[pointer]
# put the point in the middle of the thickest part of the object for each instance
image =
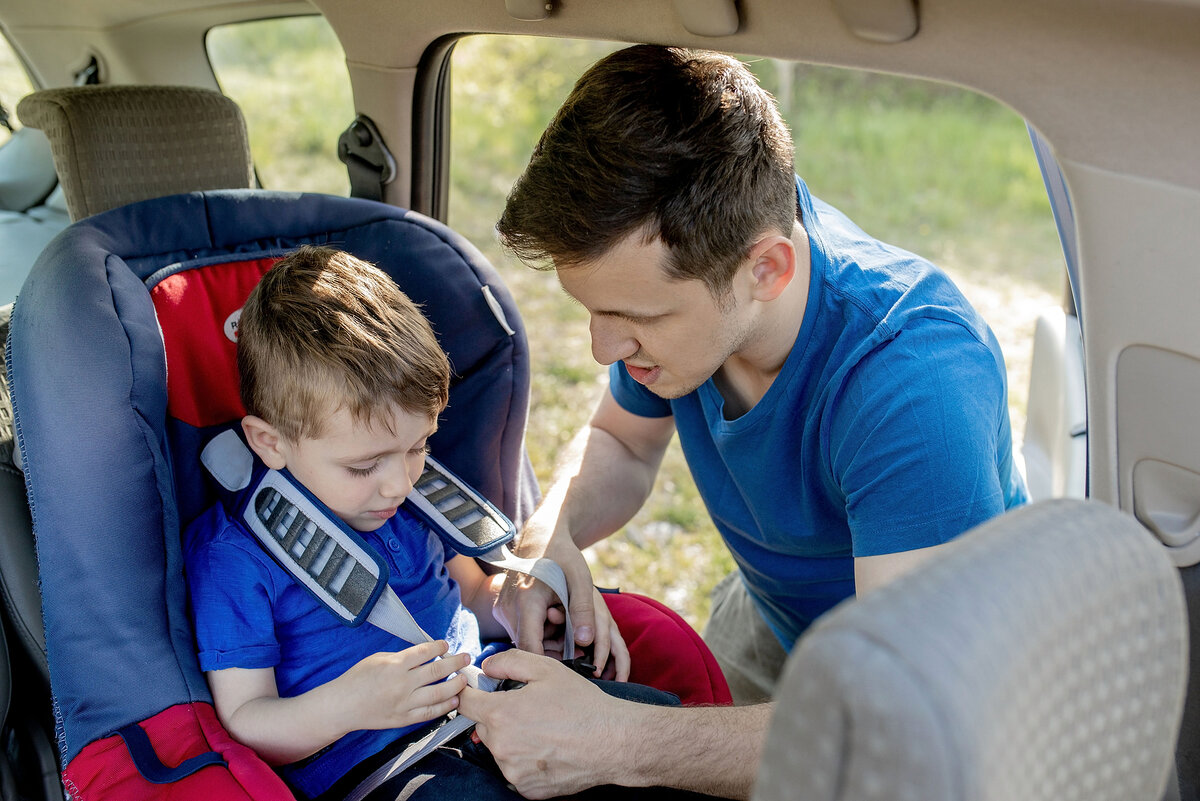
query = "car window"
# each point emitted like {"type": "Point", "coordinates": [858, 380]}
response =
{"type": "Point", "coordinates": [935, 169]}
{"type": "Point", "coordinates": [14, 84]}
{"type": "Point", "coordinates": [290, 78]}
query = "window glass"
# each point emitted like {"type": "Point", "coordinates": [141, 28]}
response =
{"type": "Point", "coordinates": [938, 170]}
{"type": "Point", "coordinates": [289, 77]}
{"type": "Point", "coordinates": [14, 85]}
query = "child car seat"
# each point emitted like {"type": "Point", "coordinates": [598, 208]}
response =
{"type": "Point", "coordinates": [121, 363]}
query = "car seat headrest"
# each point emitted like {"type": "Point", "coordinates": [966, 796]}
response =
{"type": "Point", "coordinates": [115, 145]}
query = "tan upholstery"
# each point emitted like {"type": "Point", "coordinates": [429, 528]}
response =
{"type": "Point", "coordinates": [1042, 658]}
{"type": "Point", "coordinates": [114, 145]}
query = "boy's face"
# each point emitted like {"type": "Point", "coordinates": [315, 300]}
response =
{"type": "Point", "coordinates": [363, 473]}
{"type": "Point", "coordinates": [672, 334]}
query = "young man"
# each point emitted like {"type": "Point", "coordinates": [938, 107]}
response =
{"type": "Point", "coordinates": [841, 406]}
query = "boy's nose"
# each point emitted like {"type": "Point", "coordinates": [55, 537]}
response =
{"type": "Point", "coordinates": [396, 484]}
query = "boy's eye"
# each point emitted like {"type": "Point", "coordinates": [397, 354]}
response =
{"type": "Point", "coordinates": [421, 450]}
{"type": "Point", "coordinates": [363, 471]}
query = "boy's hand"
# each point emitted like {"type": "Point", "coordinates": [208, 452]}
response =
{"type": "Point", "coordinates": [392, 689]}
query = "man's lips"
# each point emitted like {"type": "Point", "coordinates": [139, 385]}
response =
{"type": "Point", "coordinates": [643, 375]}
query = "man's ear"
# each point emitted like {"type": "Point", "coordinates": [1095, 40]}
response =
{"type": "Point", "coordinates": [266, 441]}
{"type": "Point", "coordinates": [773, 266]}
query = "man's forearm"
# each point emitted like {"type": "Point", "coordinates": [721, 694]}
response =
{"type": "Point", "coordinates": [598, 487]}
{"type": "Point", "coordinates": [713, 750]}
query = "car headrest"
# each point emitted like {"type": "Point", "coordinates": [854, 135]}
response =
{"type": "Point", "coordinates": [1043, 656]}
{"type": "Point", "coordinates": [115, 145]}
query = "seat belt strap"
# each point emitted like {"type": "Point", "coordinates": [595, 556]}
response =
{"type": "Point", "coordinates": [369, 163]}
{"type": "Point", "coordinates": [473, 526]}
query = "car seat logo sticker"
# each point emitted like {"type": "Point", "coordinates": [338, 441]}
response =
{"type": "Point", "coordinates": [231, 326]}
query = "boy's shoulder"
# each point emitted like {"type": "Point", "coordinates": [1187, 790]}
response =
{"type": "Point", "coordinates": [215, 530]}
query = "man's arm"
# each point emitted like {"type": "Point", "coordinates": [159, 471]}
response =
{"type": "Point", "coordinates": [605, 477]}
{"type": "Point", "coordinates": [558, 735]}
{"type": "Point", "coordinates": [872, 572]}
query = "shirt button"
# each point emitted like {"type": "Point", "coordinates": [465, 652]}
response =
{"type": "Point", "coordinates": [393, 543]}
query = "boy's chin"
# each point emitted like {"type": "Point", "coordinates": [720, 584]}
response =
{"type": "Point", "coordinates": [366, 523]}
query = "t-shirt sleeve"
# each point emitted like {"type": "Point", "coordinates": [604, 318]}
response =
{"type": "Point", "coordinates": [914, 437]}
{"type": "Point", "coordinates": [231, 606]}
{"type": "Point", "coordinates": [632, 396]}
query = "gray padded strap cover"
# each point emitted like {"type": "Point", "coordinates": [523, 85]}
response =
{"type": "Point", "coordinates": [1043, 657]}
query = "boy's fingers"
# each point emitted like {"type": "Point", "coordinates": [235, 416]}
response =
{"type": "Point", "coordinates": [422, 652]}
{"type": "Point", "coordinates": [441, 668]}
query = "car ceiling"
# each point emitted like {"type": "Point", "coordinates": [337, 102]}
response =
{"type": "Point", "coordinates": [1111, 84]}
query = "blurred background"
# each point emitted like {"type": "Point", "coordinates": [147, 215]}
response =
{"type": "Point", "coordinates": [941, 171]}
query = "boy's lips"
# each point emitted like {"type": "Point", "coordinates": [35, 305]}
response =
{"type": "Point", "coordinates": [643, 375]}
{"type": "Point", "coordinates": [383, 514]}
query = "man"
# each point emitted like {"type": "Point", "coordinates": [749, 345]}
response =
{"type": "Point", "coordinates": [841, 406]}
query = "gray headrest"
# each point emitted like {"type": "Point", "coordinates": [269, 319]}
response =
{"type": "Point", "coordinates": [114, 145]}
{"type": "Point", "coordinates": [1044, 656]}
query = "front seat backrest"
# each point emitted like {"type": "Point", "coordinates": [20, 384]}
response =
{"type": "Point", "coordinates": [114, 145]}
{"type": "Point", "coordinates": [1044, 657]}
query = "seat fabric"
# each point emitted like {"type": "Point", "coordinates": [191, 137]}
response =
{"type": "Point", "coordinates": [1042, 658]}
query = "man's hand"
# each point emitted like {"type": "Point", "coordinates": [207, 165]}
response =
{"type": "Point", "coordinates": [528, 609]}
{"type": "Point", "coordinates": [555, 736]}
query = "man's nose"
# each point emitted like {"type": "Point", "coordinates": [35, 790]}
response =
{"type": "Point", "coordinates": [611, 340]}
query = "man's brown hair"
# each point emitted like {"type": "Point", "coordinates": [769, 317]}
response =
{"type": "Point", "coordinates": [324, 330]}
{"type": "Point", "coordinates": [680, 145]}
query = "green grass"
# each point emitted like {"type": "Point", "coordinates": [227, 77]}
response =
{"type": "Point", "coordinates": [940, 171]}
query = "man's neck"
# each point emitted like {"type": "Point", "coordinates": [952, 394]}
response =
{"type": "Point", "coordinates": [747, 375]}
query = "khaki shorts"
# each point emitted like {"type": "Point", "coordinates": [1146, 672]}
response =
{"type": "Point", "coordinates": [747, 650]}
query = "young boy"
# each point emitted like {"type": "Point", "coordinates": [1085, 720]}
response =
{"type": "Point", "coordinates": [343, 382]}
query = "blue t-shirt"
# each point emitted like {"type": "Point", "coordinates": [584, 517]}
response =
{"type": "Point", "coordinates": [887, 429]}
{"type": "Point", "coordinates": [250, 613]}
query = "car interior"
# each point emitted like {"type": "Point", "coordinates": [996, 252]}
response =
{"type": "Point", "coordinates": [1045, 658]}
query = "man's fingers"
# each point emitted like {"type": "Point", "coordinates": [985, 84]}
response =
{"type": "Point", "coordinates": [517, 665]}
{"type": "Point", "coordinates": [583, 609]}
{"type": "Point", "coordinates": [531, 619]}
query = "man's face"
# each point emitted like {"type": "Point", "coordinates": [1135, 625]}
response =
{"type": "Point", "coordinates": [363, 473]}
{"type": "Point", "coordinates": [671, 334]}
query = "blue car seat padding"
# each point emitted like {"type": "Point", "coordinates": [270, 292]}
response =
{"type": "Point", "coordinates": [121, 370]}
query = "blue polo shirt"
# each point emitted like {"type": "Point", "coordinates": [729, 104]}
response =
{"type": "Point", "coordinates": [886, 430]}
{"type": "Point", "coordinates": [250, 613]}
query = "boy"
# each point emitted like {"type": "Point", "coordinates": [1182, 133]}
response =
{"type": "Point", "coordinates": [343, 382]}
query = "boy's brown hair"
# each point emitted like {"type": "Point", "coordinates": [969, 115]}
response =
{"type": "Point", "coordinates": [678, 145]}
{"type": "Point", "coordinates": [324, 330]}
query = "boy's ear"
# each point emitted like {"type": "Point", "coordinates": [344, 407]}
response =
{"type": "Point", "coordinates": [773, 265]}
{"type": "Point", "coordinates": [266, 441]}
